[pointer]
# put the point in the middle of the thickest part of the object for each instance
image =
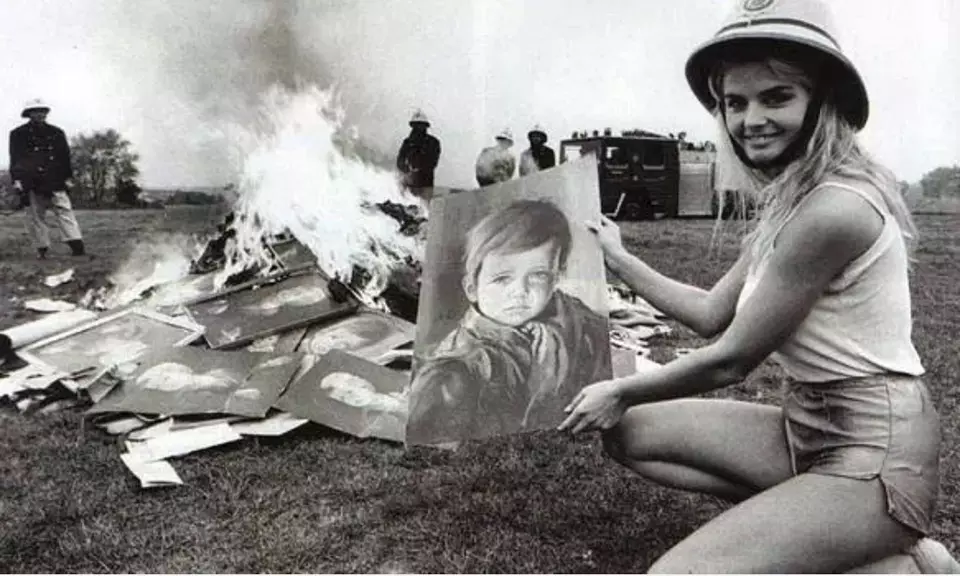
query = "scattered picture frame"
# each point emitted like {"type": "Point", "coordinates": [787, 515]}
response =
{"type": "Point", "coordinates": [352, 395]}
{"type": "Point", "coordinates": [192, 381]}
{"type": "Point", "coordinates": [276, 304]}
{"type": "Point", "coordinates": [369, 334]}
{"type": "Point", "coordinates": [113, 338]}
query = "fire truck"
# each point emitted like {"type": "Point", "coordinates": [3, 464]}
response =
{"type": "Point", "coordinates": [639, 172]}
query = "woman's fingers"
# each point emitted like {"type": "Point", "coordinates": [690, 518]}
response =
{"type": "Point", "coordinates": [573, 403]}
{"type": "Point", "coordinates": [570, 420]}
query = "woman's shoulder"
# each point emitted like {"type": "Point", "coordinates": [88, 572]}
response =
{"type": "Point", "coordinates": [837, 211]}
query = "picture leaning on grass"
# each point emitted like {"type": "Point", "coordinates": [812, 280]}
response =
{"type": "Point", "coordinates": [513, 318]}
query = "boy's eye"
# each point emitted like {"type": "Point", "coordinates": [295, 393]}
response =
{"type": "Point", "coordinates": [541, 277]}
{"type": "Point", "coordinates": [501, 279]}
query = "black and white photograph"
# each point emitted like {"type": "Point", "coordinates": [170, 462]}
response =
{"type": "Point", "coordinates": [513, 320]}
{"type": "Point", "coordinates": [632, 286]}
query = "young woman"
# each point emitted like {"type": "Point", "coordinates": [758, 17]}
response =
{"type": "Point", "coordinates": [845, 474]}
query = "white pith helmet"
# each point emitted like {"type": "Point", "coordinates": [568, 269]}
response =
{"type": "Point", "coordinates": [33, 104]}
{"type": "Point", "coordinates": [505, 134]}
{"type": "Point", "coordinates": [419, 118]}
{"type": "Point", "coordinates": [803, 24]}
{"type": "Point", "coordinates": [537, 129]}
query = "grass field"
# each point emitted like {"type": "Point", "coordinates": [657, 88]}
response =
{"type": "Point", "coordinates": [318, 501]}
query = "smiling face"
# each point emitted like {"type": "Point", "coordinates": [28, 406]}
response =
{"type": "Point", "coordinates": [513, 288]}
{"type": "Point", "coordinates": [764, 110]}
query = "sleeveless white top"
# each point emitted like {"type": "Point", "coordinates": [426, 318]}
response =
{"type": "Point", "coordinates": [861, 324]}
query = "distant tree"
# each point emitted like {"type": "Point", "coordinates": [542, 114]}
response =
{"type": "Point", "coordinates": [943, 182]}
{"type": "Point", "coordinates": [103, 165]}
{"type": "Point", "coordinates": [128, 192]}
{"type": "Point", "coordinates": [192, 198]}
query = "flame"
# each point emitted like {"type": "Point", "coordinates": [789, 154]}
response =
{"type": "Point", "coordinates": [153, 262]}
{"type": "Point", "coordinates": [296, 178]}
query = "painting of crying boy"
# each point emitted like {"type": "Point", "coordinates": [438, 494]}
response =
{"type": "Point", "coordinates": [520, 343]}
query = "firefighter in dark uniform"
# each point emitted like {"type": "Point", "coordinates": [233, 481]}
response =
{"type": "Point", "coordinates": [419, 155]}
{"type": "Point", "coordinates": [538, 156]}
{"type": "Point", "coordinates": [41, 173]}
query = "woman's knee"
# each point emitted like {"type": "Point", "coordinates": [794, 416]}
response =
{"type": "Point", "coordinates": [635, 437]}
{"type": "Point", "coordinates": [624, 442]}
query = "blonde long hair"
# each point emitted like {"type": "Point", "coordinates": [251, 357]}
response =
{"type": "Point", "coordinates": [832, 150]}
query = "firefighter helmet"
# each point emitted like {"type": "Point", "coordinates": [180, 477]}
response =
{"type": "Point", "coordinates": [806, 24]}
{"type": "Point", "coordinates": [537, 129]}
{"type": "Point", "coordinates": [419, 118]}
{"type": "Point", "coordinates": [33, 104]}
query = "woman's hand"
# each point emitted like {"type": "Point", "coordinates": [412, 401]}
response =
{"type": "Point", "coordinates": [608, 233]}
{"type": "Point", "coordinates": [597, 407]}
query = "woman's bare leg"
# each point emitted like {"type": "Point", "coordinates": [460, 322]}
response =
{"type": "Point", "coordinates": [723, 447]}
{"type": "Point", "coordinates": [811, 523]}
{"type": "Point", "coordinates": [736, 450]}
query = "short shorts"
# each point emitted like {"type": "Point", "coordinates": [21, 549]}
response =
{"type": "Point", "coordinates": [882, 427]}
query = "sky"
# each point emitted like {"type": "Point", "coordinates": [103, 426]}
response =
{"type": "Point", "coordinates": [173, 75]}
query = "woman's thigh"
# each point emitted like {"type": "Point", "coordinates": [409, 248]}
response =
{"type": "Point", "coordinates": [741, 442]}
{"type": "Point", "coordinates": [810, 523]}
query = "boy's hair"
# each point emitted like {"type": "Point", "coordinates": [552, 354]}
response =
{"type": "Point", "coordinates": [523, 225]}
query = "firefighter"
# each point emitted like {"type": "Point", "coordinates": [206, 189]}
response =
{"type": "Point", "coordinates": [538, 156]}
{"type": "Point", "coordinates": [496, 163]}
{"type": "Point", "coordinates": [419, 154]}
{"type": "Point", "coordinates": [41, 173]}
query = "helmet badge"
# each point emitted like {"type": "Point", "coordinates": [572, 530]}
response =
{"type": "Point", "coordinates": [756, 5]}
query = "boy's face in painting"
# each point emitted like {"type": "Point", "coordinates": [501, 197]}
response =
{"type": "Point", "coordinates": [513, 288]}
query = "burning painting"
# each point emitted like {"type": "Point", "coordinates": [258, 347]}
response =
{"type": "Point", "coordinates": [526, 328]}
{"type": "Point", "coordinates": [115, 338]}
{"type": "Point", "coordinates": [368, 334]}
{"type": "Point", "coordinates": [292, 255]}
{"type": "Point", "coordinates": [189, 380]}
{"type": "Point", "coordinates": [239, 317]}
{"type": "Point", "coordinates": [352, 395]}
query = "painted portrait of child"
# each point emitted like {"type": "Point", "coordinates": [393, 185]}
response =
{"type": "Point", "coordinates": [523, 348]}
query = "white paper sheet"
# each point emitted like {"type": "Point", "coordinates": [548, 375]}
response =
{"type": "Point", "coordinates": [182, 442]}
{"type": "Point", "coordinates": [48, 305]}
{"type": "Point", "coordinates": [151, 474]}
{"type": "Point", "coordinates": [276, 425]}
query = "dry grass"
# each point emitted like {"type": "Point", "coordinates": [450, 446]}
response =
{"type": "Point", "coordinates": [317, 501]}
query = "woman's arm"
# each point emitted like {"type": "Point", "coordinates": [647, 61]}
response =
{"type": "Point", "coordinates": [831, 230]}
{"type": "Point", "coordinates": [706, 312]}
